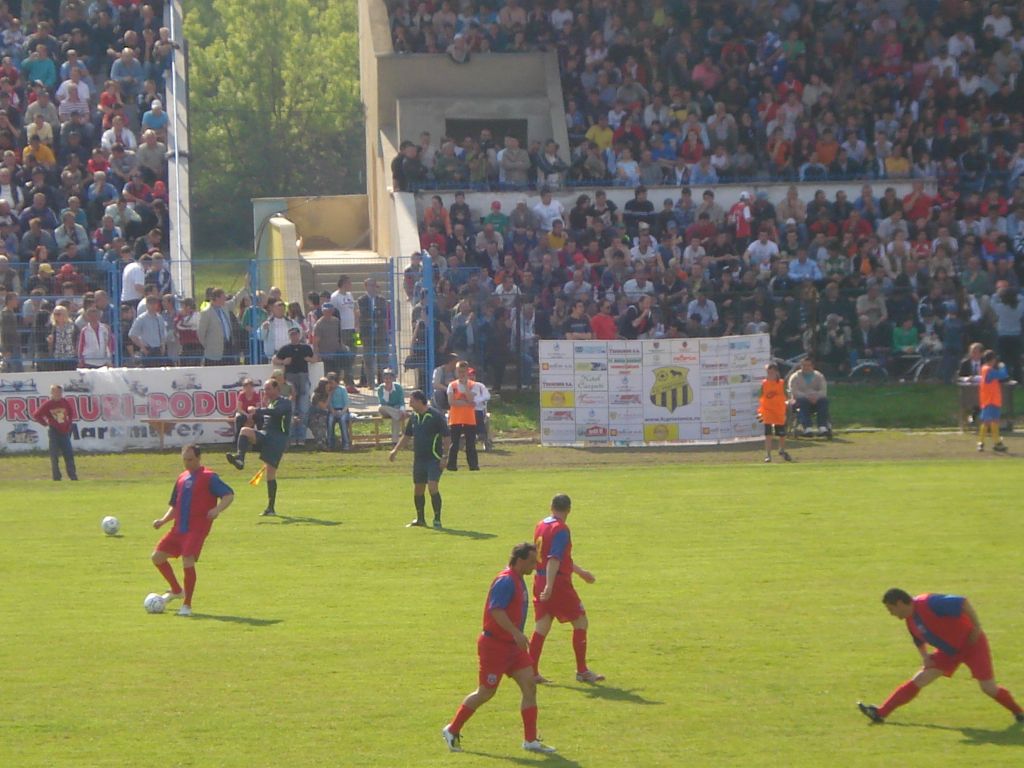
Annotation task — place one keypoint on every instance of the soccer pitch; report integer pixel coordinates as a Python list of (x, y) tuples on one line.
[(736, 612)]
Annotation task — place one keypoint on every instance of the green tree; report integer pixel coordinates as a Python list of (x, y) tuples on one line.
[(274, 106)]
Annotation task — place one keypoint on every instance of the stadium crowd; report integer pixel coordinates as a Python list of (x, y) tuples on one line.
[(83, 177), (893, 280), (702, 92)]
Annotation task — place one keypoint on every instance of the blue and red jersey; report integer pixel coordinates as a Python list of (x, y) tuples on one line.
[(940, 621), (552, 538), (195, 494), (507, 593)]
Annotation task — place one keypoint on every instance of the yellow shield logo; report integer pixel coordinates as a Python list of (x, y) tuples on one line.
[(671, 389)]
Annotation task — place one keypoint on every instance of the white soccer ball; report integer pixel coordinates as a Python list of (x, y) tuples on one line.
[(154, 603), (110, 525)]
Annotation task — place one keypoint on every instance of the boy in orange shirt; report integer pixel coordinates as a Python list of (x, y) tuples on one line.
[(990, 399), (772, 411)]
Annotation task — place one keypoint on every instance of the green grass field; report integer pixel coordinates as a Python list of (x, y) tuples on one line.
[(736, 612)]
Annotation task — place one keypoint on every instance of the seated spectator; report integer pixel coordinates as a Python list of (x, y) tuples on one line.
[(808, 391), (339, 414), (391, 401)]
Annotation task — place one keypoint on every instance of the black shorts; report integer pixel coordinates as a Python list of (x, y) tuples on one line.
[(779, 430), (271, 448), (426, 471)]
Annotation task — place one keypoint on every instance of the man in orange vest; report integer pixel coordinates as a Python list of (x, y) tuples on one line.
[(462, 417), (990, 399)]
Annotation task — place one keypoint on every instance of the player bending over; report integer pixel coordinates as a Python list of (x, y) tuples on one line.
[(950, 625)]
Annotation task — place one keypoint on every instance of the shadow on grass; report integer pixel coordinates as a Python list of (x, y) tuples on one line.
[(237, 619), (606, 692), (477, 535), (1013, 736), (289, 520), (535, 758)]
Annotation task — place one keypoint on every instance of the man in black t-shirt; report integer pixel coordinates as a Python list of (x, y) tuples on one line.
[(637, 320), (577, 327), (427, 428), (295, 357)]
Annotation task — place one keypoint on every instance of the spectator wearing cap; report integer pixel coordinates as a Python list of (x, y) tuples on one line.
[(295, 357), (499, 221), (155, 119)]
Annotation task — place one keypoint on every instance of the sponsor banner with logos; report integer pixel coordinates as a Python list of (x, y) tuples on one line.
[(114, 407), (651, 392)]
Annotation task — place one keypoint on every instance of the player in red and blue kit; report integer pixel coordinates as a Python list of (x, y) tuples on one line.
[(554, 596), (503, 650), (199, 496), (949, 624)]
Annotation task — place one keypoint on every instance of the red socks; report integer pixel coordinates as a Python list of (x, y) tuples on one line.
[(536, 647), (902, 695), (190, 584), (1004, 697), (462, 715), (529, 723), (168, 573), (579, 646)]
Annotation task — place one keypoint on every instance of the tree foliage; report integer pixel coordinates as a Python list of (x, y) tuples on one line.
[(274, 106)]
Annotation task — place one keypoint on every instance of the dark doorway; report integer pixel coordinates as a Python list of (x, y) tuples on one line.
[(460, 129)]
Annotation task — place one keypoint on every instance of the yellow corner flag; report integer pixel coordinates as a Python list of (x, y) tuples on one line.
[(257, 477)]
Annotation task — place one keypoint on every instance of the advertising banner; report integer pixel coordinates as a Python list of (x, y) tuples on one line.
[(651, 392), (115, 408)]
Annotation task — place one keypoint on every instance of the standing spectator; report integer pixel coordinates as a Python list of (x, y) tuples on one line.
[(1009, 312), (462, 417), (374, 316), (215, 329), (327, 339), (95, 341), (348, 310), (149, 334), (391, 399), (275, 329), (808, 391), (10, 340), (295, 356), (57, 415)]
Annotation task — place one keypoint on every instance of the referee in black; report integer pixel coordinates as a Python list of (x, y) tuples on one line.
[(427, 428)]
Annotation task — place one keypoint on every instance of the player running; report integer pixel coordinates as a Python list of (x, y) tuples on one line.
[(554, 596), (271, 439), (503, 650), (949, 624), (199, 496), (427, 429)]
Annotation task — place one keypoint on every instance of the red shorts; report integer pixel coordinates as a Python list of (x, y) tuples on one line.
[(177, 544), (564, 604), (498, 658), (977, 657)]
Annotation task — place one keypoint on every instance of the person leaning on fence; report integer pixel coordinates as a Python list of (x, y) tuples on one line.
[(149, 334), (391, 398), (808, 391)]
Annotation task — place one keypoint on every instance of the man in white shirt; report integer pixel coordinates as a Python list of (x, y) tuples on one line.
[(759, 254), (348, 316), (704, 308), (133, 278), (547, 210)]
